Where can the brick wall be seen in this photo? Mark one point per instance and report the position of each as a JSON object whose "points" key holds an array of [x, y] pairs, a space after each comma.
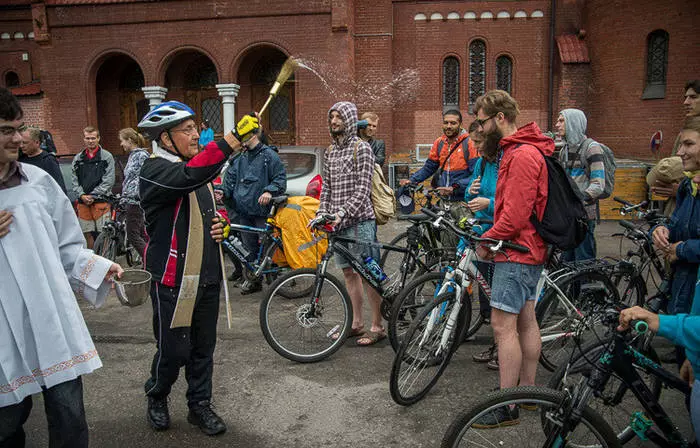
{"points": [[617, 114], [572, 82], [33, 107]]}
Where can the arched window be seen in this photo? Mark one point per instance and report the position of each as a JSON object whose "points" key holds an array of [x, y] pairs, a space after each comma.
{"points": [[11, 79], [477, 71], [504, 73], [450, 83], [657, 61]]}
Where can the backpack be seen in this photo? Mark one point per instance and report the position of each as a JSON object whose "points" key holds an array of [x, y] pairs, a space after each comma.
{"points": [[564, 222], [608, 161], [46, 142], [434, 182], [382, 196]]}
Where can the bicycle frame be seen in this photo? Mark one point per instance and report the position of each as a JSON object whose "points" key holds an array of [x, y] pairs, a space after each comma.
{"points": [[265, 251], [620, 358]]}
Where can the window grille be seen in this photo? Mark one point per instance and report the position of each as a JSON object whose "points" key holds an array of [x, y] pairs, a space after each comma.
{"points": [[211, 111], [450, 83], [657, 62], [279, 113], [504, 73], [477, 71]]}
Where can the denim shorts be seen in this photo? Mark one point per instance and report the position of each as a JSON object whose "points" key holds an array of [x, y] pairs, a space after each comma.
{"points": [[513, 285], [365, 231]]}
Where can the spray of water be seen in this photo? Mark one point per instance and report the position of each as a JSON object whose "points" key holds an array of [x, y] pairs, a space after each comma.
{"points": [[368, 93]]}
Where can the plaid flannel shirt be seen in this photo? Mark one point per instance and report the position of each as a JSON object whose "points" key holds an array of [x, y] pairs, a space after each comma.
{"points": [[348, 168]]}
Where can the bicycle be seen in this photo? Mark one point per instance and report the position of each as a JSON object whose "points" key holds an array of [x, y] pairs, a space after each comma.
{"points": [[112, 242], [311, 326], [561, 414], [431, 340], [643, 263], [262, 266]]}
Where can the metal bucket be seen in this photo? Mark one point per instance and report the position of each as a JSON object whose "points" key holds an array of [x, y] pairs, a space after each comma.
{"points": [[134, 287]]}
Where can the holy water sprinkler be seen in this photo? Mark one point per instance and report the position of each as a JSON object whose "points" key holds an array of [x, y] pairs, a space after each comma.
{"points": [[287, 69]]}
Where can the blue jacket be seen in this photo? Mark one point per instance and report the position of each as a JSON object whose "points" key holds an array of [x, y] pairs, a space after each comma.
{"points": [[487, 190], [206, 136], [251, 174], [685, 226], [684, 329]]}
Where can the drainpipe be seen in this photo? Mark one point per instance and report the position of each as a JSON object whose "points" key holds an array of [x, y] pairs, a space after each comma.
{"points": [[550, 108]]}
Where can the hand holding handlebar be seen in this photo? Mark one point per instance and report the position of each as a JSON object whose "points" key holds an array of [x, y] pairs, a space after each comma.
{"points": [[637, 318]]}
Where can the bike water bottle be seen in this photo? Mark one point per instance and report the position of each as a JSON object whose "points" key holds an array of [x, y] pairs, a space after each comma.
{"points": [[238, 244], [375, 269]]}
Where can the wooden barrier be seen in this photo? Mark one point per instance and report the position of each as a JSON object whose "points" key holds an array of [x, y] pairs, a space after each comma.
{"points": [[630, 184]]}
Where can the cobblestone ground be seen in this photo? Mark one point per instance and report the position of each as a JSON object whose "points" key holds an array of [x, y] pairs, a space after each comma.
{"points": [[268, 401]]}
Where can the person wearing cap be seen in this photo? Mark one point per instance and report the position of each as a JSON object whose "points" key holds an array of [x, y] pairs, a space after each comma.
{"points": [[183, 257]]}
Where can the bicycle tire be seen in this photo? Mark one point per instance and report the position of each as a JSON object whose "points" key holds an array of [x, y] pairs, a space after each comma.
{"points": [[559, 325], [569, 374], [529, 430], [412, 297], [631, 289], [311, 338], [420, 351]]}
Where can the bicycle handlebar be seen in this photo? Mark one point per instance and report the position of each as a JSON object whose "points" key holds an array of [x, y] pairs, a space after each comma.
{"points": [[498, 243]]}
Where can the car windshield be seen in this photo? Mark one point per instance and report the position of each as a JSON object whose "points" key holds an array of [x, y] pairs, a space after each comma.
{"points": [[298, 164]]}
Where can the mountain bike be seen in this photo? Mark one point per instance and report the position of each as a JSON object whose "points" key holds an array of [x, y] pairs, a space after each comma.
{"points": [[311, 325], [432, 338], [564, 418], [112, 242]]}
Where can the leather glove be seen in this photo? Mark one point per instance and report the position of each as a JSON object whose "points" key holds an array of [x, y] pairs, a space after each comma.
{"points": [[246, 127]]}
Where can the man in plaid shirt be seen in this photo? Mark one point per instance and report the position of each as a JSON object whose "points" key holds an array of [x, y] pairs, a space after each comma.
{"points": [[347, 182]]}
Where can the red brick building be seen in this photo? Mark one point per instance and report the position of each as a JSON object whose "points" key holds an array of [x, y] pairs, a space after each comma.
{"points": [[99, 62]]}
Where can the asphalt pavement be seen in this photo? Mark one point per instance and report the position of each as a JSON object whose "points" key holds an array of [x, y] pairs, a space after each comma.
{"points": [[269, 401]]}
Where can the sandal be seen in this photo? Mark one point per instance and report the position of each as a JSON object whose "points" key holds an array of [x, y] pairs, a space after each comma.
{"points": [[372, 337], [360, 331]]}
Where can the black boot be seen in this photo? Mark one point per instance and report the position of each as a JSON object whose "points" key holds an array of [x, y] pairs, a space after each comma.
{"points": [[204, 416], [158, 415]]}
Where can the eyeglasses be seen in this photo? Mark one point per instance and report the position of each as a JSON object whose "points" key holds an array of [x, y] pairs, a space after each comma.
{"points": [[481, 123], [9, 131], [189, 130]]}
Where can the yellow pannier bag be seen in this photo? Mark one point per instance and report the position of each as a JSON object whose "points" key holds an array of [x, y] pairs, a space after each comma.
{"points": [[301, 248]]}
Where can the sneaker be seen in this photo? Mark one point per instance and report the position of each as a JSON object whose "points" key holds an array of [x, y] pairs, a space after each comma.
{"points": [[203, 415], [250, 288], [499, 417], [493, 364], [158, 415], [485, 356], [235, 275]]}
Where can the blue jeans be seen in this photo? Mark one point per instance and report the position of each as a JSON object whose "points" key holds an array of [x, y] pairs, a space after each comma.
{"points": [[587, 249], [695, 408], [65, 414], [251, 240]]}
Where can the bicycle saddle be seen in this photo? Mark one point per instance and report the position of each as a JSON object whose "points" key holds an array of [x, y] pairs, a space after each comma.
{"points": [[277, 200], [420, 217]]}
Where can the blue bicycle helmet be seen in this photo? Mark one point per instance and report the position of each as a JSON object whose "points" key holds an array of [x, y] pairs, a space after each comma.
{"points": [[163, 117]]}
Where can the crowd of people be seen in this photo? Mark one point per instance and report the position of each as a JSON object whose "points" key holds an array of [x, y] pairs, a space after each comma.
{"points": [[495, 167]]}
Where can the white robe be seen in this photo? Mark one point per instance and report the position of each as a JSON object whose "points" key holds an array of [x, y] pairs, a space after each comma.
{"points": [[43, 338]]}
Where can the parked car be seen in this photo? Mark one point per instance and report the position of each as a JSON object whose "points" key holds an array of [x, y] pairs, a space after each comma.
{"points": [[302, 163], [65, 162]]}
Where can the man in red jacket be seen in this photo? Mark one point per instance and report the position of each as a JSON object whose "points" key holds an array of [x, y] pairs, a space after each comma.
{"points": [[521, 190]]}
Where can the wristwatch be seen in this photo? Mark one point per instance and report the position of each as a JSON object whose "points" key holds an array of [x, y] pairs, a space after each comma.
{"points": [[341, 214]]}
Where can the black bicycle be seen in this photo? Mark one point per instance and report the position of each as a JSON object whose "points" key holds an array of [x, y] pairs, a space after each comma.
{"points": [[112, 242], [310, 326], [564, 417]]}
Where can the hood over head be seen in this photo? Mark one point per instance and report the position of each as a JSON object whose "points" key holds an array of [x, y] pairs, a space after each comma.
{"points": [[530, 134], [575, 122], [348, 112]]}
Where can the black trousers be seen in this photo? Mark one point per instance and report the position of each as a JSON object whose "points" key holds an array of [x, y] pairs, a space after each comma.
{"points": [[65, 414], [135, 228], [191, 347]]}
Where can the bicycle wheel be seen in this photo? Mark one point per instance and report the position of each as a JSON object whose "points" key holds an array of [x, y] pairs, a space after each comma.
{"points": [[587, 291], [105, 246], [615, 404], [406, 306], [631, 289], [423, 356], [305, 328], [526, 428]]}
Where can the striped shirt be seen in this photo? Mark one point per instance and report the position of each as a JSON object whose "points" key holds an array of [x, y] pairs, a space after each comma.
{"points": [[586, 167]]}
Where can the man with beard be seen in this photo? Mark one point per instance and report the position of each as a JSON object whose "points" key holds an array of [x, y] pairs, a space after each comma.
{"points": [[584, 161], [347, 182], [451, 159], [521, 191]]}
